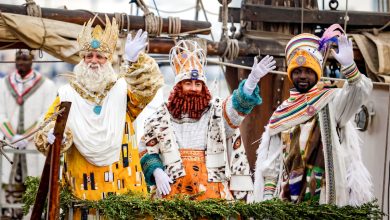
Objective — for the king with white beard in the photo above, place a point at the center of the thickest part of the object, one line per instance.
(100, 149)
(95, 77)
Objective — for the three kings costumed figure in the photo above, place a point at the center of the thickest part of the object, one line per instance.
(192, 145)
(310, 149)
(100, 150)
(25, 94)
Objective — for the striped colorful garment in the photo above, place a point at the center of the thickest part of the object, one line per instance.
(269, 187)
(304, 41)
(293, 111)
(314, 180)
(30, 84)
(9, 132)
(303, 159)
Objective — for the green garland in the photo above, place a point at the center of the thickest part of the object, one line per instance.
(136, 206)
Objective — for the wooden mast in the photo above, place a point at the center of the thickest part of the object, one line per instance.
(82, 16)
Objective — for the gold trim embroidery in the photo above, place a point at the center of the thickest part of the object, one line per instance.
(94, 97)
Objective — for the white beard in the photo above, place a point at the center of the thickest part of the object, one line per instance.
(95, 80)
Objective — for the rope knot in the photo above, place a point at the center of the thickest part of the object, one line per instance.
(232, 49)
(33, 9)
(153, 24)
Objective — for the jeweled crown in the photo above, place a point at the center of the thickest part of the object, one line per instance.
(98, 39)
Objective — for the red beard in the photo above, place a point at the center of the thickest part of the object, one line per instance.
(188, 104)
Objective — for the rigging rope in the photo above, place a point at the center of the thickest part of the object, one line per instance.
(153, 23)
(154, 2)
(224, 18)
(346, 17)
(174, 25)
(34, 10)
(301, 16)
(280, 72)
(205, 16)
(8, 45)
(182, 10)
(232, 48)
(120, 19)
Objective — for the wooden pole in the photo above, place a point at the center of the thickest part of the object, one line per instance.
(54, 186)
(49, 180)
(82, 16)
(40, 199)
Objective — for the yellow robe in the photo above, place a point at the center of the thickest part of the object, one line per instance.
(91, 182)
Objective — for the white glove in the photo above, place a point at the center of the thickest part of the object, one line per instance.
(20, 144)
(345, 54)
(258, 71)
(135, 46)
(51, 137)
(163, 182)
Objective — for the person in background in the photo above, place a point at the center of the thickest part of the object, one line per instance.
(25, 94)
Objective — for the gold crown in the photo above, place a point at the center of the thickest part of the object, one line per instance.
(187, 60)
(98, 39)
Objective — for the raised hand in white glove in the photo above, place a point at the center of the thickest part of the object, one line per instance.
(20, 144)
(163, 182)
(135, 45)
(51, 137)
(259, 70)
(345, 53)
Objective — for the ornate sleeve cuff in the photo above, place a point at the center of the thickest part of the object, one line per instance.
(143, 77)
(150, 162)
(143, 80)
(352, 73)
(232, 117)
(42, 145)
(245, 103)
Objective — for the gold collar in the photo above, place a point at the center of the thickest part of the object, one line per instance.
(95, 97)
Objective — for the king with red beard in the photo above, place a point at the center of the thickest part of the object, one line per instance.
(192, 144)
(188, 103)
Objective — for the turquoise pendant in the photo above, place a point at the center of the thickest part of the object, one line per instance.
(97, 109)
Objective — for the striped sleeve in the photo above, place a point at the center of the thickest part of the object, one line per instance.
(352, 73)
